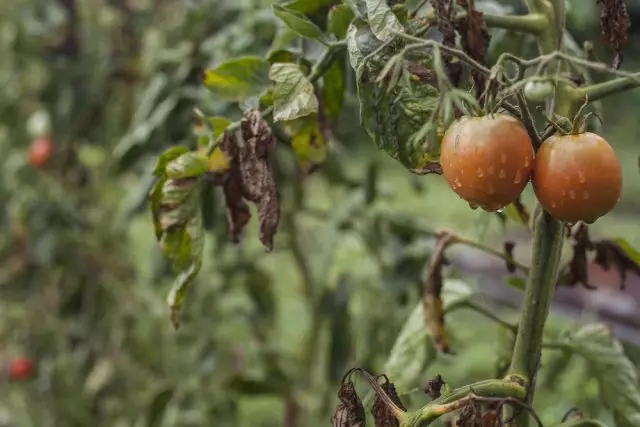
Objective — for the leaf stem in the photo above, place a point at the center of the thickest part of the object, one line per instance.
(448, 402)
(487, 312)
(598, 91)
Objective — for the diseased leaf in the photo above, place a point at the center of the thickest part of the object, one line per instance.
(307, 141)
(382, 20)
(299, 23)
(413, 349)
(340, 17)
(282, 56)
(309, 7)
(616, 374)
(238, 79)
(293, 94)
(169, 155)
(188, 165)
(333, 88)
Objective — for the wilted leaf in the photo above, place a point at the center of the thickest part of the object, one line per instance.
(382, 20)
(333, 88)
(239, 78)
(340, 17)
(250, 176)
(308, 141)
(382, 414)
(237, 210)
(616, 374)
(349, 412)
(293, 94)
(299, 23)
(413, 349)
(615, 24)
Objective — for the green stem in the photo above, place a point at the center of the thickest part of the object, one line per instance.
(450, 401)
(532, 23)
(598, 91)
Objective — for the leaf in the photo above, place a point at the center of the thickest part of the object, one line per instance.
(413, 349)
(308, 141)
(339, 19)
(188, 165)
(238, 79)
(308, 7)
(260, 289)
(299, 23)
(179, 288)
(158, 406)
(282, 56)
(382, 20)
(333, 89)
(169, 155)
(218, 125)
(293, 94)
(356, 57)
(516, 282)
(616, 374)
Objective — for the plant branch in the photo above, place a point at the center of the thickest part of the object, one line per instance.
(486, 312)
(457, 398)
(532, 23)
(598, 91)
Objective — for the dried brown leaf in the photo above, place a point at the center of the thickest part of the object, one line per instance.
(349, 412)
(382, 414)
(430, 167)
(475, 38)
(433, 388)
(248, 149)
(237, 210)
(615, 24)
(445, 18)
(610, 254)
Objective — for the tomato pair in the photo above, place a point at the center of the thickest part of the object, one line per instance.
(489, 160)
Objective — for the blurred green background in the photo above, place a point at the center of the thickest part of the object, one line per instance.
(83, 284)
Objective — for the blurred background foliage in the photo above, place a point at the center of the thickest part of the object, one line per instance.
(83, 284)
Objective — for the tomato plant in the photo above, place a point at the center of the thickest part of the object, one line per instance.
(21, 369)
(40, 151)
(487, 160)
(538, 90)
(577, 177)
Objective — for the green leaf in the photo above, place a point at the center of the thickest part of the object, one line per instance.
(413, 350)
(356, 57)
(179, 288)
(616, 375)
(218, 125)
(281, 55)
(339, 19)
(333, 88)
(238, 79)
(169, 155)
(309, 7)
(293, 94)
(517, 282)
(382, 20)
(188, 165)
(299, 23)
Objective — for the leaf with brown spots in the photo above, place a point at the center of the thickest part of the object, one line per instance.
(475, 38)
(382, 414)
(433, 388)
(445, 19)
(349, 412)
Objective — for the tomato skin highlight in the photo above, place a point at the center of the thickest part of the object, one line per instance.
(487, 160)
(577, 177)
(21, 369)
(40, 152)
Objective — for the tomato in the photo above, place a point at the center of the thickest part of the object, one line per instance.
(538, 91)
(487, 160)
(577, 177)
(21, 369)
(40, 152)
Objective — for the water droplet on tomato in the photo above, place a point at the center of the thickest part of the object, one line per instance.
(581, 177)
(479, 173)
(517, 178)
(572, 194)
(502, 174)
(473, 206)
(553, 205)
(526, 162)
(457, 183)
(500, 210)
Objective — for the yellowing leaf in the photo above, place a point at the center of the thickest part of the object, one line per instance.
(218, 161)
(238, 79)
(308, 141)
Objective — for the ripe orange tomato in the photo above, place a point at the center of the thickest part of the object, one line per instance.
(21, 369)
(577, 177)
(40, 152)
(487, 160)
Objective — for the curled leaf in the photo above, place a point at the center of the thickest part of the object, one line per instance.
(615, 24)
(433, 387)
(474, 39)
(383, 416)
(349, 412)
